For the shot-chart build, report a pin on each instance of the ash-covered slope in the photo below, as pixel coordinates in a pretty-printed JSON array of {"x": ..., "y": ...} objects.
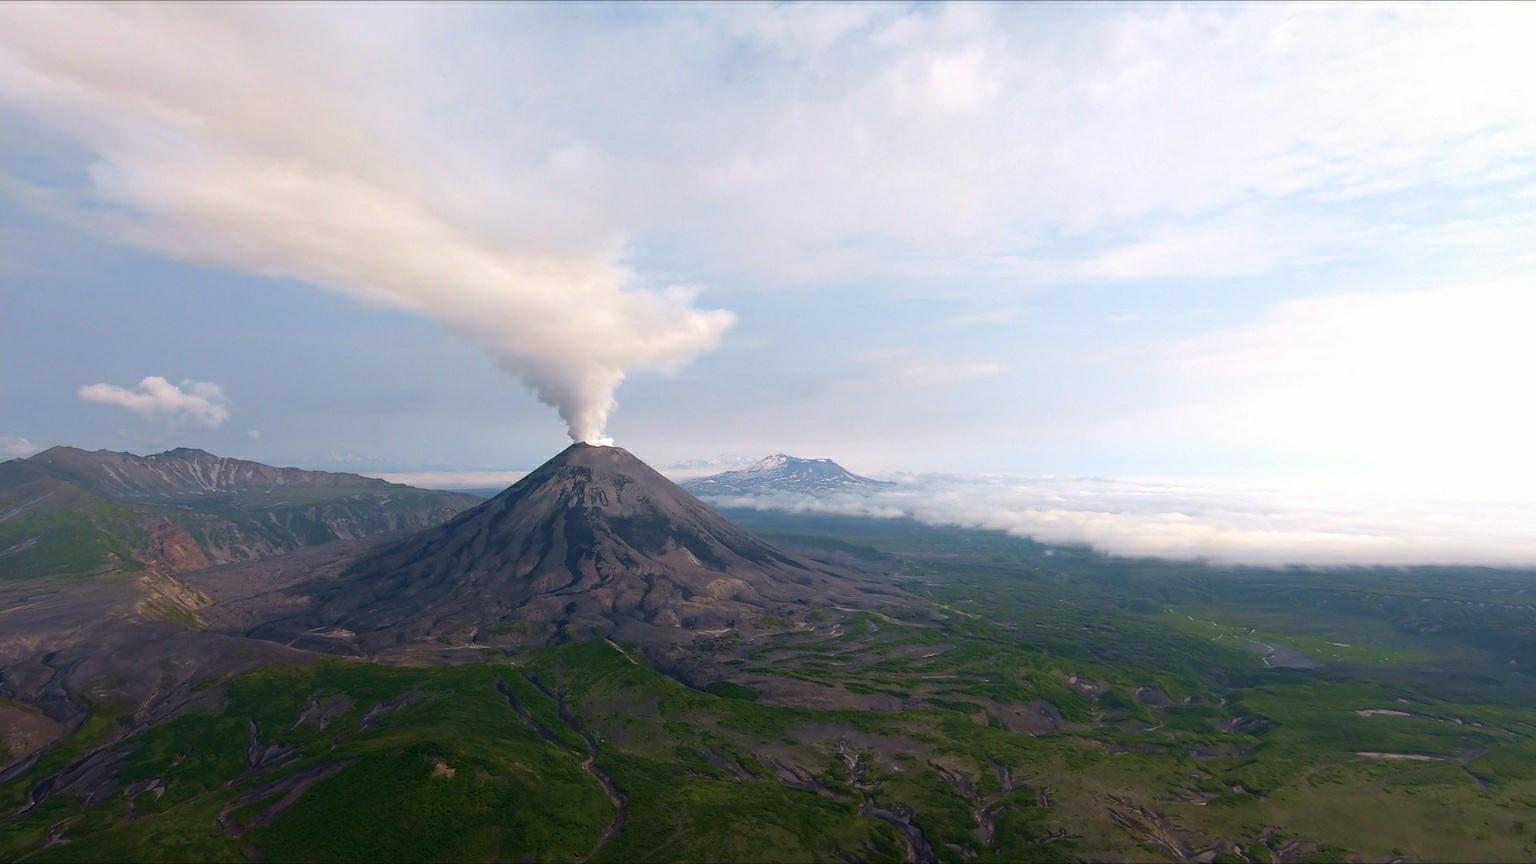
[
  {"x": 592, "y": 543},
  {"x": 780, "y": 473}
]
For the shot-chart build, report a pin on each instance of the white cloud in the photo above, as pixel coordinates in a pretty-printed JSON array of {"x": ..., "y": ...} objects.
[
  {"x": 1422, "y": 388},
  {"x": 193, "y": 403},
  {"x": 14, "y": 447},
  {"x": 844, "y": 142},
  {"x": 943, "y": 139},
  {"x": 1194, "y": 521},
  {"x": 253, "y": 434}
]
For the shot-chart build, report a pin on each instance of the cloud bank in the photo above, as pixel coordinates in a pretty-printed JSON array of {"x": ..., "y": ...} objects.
[
  {"x": 1188, "y": 521},
  {"x": 173, "y": 407},
  {"x": 262, "y": 141}
]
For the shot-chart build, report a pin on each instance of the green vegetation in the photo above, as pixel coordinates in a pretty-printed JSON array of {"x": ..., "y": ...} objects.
[
  {"x": 66, "y": 517},
  {"x": 83, "y": 541},
  {"x": 1065, "y": 707},
  {"x": 399, "y": 765},
  {"x": 732, "y": 690},
  {"x": 678, "y": 816}
]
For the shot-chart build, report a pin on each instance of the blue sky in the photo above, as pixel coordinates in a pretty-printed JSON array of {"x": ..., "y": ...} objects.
[{"x": 1284, "y": 243}]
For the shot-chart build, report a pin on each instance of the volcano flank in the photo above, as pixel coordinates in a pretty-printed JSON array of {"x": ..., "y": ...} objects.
[{"x": 594, "y": 543}]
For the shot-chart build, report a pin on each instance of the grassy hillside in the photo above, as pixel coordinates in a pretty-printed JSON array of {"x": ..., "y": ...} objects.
[
  {"x": 489, "y": 762},
  {"x": 57, "y": 518},
  {"x": 49, "y": 527}
]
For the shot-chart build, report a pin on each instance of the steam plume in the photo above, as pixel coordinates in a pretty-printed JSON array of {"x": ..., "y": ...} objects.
[{"x": 233, "y": 138}]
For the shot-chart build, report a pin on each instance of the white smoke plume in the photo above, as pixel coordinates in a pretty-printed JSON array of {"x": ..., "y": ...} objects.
[{"x": 239, "y": 138}]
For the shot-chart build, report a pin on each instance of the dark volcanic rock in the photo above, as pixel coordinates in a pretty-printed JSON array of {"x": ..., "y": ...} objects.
[{"x": 593, "y": 543}]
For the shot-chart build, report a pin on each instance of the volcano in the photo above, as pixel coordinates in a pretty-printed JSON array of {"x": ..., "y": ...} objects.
[{"x": 594, "y": 543}]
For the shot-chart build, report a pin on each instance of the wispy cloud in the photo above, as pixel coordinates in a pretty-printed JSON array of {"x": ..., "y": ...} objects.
[
  {"x": 171, "y": 407},
  {"x": 907, "y": 368},
  {"x": 1001, "y": 315},
  {"x": 882, "y": 142}
]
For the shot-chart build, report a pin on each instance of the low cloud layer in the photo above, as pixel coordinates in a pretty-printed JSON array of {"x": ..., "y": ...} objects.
[
  {"x": 1186, "y": 521},
  {"x": 171, "y": 407}
]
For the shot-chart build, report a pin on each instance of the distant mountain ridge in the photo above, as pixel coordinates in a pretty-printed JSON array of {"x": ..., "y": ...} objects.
[
  {"x": 783, "y": 473},
  {"x": 67, "y": 511},
  {"x": 188, "y": 471}
]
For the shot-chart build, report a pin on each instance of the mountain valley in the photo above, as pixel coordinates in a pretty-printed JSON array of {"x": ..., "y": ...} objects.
[{"x": 593, "y": 665}]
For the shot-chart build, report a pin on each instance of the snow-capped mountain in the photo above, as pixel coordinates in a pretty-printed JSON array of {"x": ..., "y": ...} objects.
[{"x": 782, "y": 473}]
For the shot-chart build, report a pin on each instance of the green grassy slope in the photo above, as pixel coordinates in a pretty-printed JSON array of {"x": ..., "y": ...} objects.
[{"x": 49, "y": 527}]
